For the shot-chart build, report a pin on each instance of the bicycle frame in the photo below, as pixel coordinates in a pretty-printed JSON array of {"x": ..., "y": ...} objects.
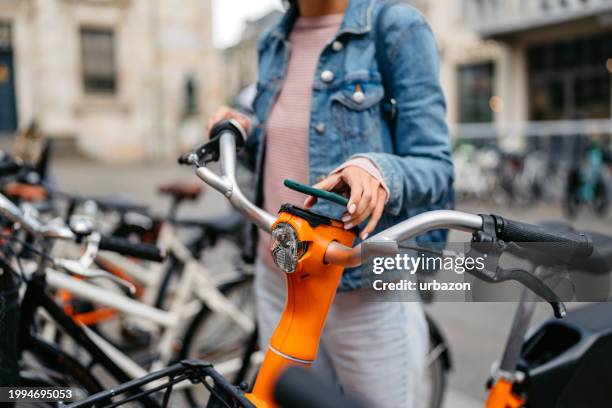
[
  {"x": 501, "y": 394},
  {"x": 186, "y": 304},
  {"x": 36, "y": 297}
]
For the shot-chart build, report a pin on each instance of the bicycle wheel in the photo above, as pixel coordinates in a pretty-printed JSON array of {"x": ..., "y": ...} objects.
[
  {"x": 601, "y": 201},
  {"x": 218, "y": 339},
  {"x": 44, "y": 365},
  {"x": 434, "y": 383}
]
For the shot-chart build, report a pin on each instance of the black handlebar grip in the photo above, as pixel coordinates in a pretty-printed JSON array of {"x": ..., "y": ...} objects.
[
  {"x": 297, "y": 388},
  {"x": 229, "y": 126},
  {"x": 568, "y": 244},
  {"x": 136, "y": 249},
  {"x": 9, "y": 167}
]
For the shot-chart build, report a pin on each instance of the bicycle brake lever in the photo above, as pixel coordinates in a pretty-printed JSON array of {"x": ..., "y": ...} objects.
[
  {"x": 492, "y": 273},
  {"x": 536, "y": 285},
  {"x": 82, "y": 267},
  {"x": 76, "y": 268},
  {"x": 201, "y": 155},
  {"x": 209, "y": 151}
]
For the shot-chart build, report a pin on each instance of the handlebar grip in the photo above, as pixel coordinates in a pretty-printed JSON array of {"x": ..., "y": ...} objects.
[
  {"x": 9, "y": 167},
  {"x": 297, "y": 388},
  {"x": 136, "y": 249},
  {"x": 566, "y": 243},
  {"x": 228, "y": 126}
]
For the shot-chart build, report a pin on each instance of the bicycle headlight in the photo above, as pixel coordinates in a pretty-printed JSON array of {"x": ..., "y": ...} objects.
[{"x": 286, "y": 248}]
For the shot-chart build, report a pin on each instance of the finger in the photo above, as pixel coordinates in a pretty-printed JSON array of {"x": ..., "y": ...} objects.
[
  {"x": 244, "y": 122},
  {"x": 327, "y": 184},
  {"x": 374, "y": 218},
  {"x": 364, "y": 202},
  {"x": 310, "y": 201},
  {"x": 374, "y": 185},
  {"x": 356, "y": 187},
  {"x": 216, "y": 117},
  {"x": 222, "y": 113},
  {"x": 372, "y": 190}
]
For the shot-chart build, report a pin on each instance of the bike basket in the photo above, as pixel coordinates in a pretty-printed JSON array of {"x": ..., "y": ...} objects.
[{"x": 160, "y": 385}]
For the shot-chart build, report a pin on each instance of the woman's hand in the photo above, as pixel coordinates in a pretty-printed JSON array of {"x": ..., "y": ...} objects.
[
  {"x": 366, "y": 192},
  {"x": 225, "y": 112}
]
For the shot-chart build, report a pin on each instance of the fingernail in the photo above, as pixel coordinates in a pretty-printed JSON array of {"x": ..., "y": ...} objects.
[
  {"x": 348, "y": 226},
  {"x": 364, "y": 236},
  {"x": 352, "y": 208},
  {"x": 346, "y": 218}
]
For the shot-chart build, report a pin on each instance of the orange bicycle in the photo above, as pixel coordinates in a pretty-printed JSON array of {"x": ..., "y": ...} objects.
[{"x": 313, "y": 251}]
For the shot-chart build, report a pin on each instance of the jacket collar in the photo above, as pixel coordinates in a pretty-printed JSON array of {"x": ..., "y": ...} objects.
[{"x": 357, "y": 19}]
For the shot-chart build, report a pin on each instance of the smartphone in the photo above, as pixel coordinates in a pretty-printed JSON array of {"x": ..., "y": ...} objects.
[{"x": 316, "y": 192}]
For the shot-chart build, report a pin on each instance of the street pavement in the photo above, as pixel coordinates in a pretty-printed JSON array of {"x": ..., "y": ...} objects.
[{"x": 476, "y": 331}]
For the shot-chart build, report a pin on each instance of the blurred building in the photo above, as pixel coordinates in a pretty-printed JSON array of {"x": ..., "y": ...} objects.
[
  {"x": 240, "y": 60},
  {"x": 120, "y": 79},
  {"x": 509, "y": 68},
  {"x": 531, "y": 67}
]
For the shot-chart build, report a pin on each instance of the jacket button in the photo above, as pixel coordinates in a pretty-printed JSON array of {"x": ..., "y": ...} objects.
[
  {"x": 327, "y": 76},
  {"x": 359, "y": 97},
  {"x": 337, "y": 46},
  {"x": 320, "y": 127}
]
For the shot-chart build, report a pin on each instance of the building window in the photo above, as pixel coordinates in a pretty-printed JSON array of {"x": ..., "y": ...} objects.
[
  {"x": 571, "y": 79},
  {"x": 476, "y": 92},
  {"x": 5, "y": 34},
  {"x": 98, "y": 61}
]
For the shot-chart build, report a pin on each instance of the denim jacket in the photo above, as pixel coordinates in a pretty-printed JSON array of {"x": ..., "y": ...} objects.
[{"x": 413, "y": 157}]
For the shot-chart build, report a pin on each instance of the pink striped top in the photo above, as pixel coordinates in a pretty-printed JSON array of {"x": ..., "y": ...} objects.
[{"x": 287, "y": 126}]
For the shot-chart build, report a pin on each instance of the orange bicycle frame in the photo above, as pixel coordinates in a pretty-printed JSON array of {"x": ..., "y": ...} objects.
[
  {"x": 311, "y": 288},
  {"x": 502, "y": 396}
]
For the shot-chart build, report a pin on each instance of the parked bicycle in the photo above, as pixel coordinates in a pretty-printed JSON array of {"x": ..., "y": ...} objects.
[
  {"x": 313, "y": 250},
  {"x": 209, "y": 316},
  {"x": 587, "y": 184}
]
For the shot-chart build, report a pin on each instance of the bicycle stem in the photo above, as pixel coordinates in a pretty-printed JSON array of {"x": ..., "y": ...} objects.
[{"x": 311, "y": 289}]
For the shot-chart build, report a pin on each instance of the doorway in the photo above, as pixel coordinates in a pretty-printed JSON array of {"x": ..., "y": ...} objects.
[{"x": 8, "y": 108}]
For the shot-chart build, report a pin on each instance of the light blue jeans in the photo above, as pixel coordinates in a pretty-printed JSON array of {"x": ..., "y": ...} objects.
[{"x": 375, "y": 351}]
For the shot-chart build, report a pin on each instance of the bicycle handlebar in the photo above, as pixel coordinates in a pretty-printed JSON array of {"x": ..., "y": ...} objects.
[
  {"x": 564, "y": 244},
  {"x": 222, "y": 145},
  {"x": 31, "y": 224},
  {"x": 35, "y": 227},
  {"x": 9, "y": 167},
  {"x": 139, "y": 250}
]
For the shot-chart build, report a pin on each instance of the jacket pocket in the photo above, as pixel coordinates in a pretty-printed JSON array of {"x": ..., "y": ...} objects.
[{"x": 356, "y": 116}]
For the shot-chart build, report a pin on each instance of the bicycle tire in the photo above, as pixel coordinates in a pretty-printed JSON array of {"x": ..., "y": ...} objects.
[
  {"x": 438, "y": 365},
  {"x": 197, "y": 326},
  {"x": 61, "y": 369},
  {"x": 437, "y": 374}
]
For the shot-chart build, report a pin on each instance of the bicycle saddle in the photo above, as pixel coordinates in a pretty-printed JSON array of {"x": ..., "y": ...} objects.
[
  {"x": 118, "y": 204},
  {"x": 226, "y": 224},
  {"x": 181, "y": 190}
]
